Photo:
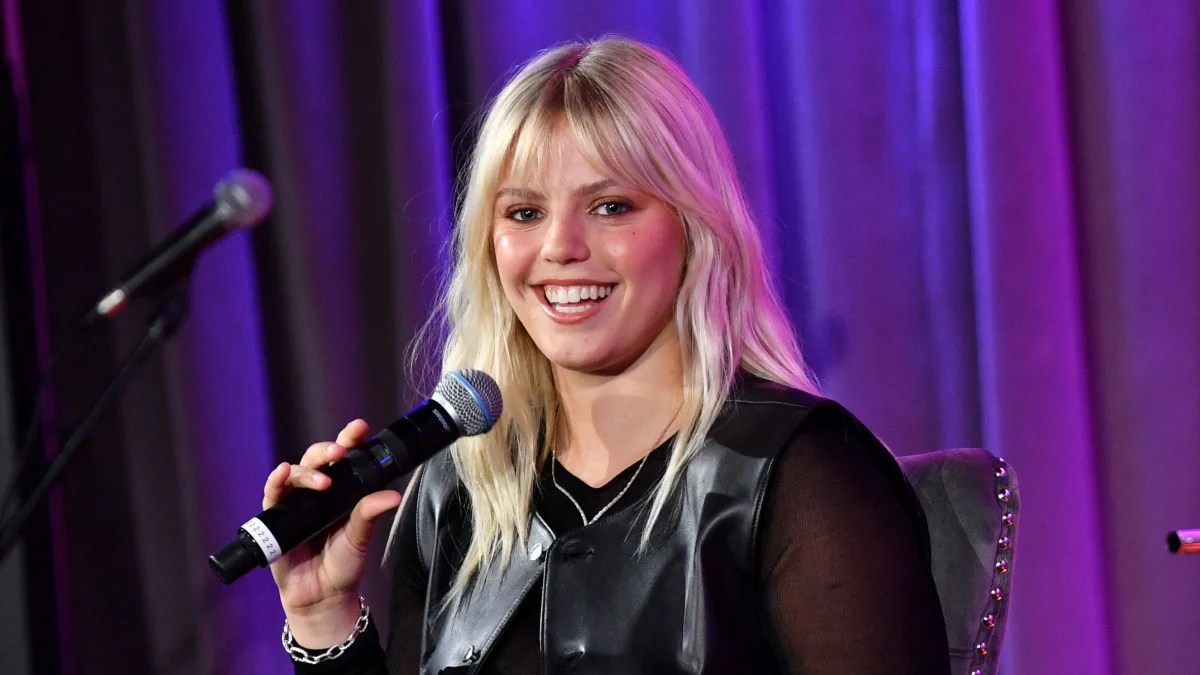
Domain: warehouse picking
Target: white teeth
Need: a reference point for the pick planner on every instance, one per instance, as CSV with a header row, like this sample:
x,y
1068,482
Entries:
x,y
559,295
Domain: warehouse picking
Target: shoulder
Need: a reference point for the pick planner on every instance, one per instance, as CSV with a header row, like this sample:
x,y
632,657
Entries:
x,y
756,391
809,440
760,416
758,424
831,464
757,404
820,432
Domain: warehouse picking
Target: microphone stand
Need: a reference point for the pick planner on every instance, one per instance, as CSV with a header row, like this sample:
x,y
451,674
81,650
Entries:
x,y
166,317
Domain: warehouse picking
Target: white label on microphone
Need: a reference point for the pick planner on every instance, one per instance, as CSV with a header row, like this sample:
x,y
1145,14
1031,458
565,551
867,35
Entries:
x,y
265,540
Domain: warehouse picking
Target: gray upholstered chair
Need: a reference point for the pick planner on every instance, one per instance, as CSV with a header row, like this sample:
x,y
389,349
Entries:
x,y
971,504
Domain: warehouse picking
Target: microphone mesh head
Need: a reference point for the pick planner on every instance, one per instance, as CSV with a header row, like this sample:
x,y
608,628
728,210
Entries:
x,y
246,195
474,399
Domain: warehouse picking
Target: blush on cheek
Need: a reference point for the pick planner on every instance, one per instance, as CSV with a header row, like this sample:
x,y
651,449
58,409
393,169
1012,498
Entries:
x,y
622,248
512,253
502,243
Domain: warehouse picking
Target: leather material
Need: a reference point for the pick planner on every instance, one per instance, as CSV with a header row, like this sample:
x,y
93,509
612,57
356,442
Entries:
x,y
972,505
689,604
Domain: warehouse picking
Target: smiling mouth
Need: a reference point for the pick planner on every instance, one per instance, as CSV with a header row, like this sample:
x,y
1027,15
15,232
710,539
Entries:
x,y
576,299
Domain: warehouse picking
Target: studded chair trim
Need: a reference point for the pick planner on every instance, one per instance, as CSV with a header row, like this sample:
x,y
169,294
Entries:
x,y
971,503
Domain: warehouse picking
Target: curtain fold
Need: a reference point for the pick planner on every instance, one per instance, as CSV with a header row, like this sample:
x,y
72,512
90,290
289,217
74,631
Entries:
x,y
1034,379
197,444
1136,106
983,218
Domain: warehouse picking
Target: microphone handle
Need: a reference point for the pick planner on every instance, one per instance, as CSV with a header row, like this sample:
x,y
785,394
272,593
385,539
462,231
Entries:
x,y
304,513
173,257
168,262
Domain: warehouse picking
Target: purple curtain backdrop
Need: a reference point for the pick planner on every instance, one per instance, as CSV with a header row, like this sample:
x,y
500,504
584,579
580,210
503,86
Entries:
x,y
984,216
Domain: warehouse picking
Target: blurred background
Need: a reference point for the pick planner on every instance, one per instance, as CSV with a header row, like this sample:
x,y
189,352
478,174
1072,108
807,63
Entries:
x,y
984,217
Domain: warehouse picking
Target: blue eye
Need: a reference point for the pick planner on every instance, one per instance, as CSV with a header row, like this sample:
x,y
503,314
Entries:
x,y
611,209
524,214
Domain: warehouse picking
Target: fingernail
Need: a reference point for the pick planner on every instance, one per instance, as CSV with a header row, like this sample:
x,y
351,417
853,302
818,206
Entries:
x,y
331,449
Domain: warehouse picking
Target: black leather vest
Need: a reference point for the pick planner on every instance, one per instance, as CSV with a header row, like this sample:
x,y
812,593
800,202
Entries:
x,y
691,604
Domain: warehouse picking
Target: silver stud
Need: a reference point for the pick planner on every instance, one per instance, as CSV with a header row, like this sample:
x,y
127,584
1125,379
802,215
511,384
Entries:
x,y
471,655
1002,566
997,594
535,552
981,648
1004,543
1004,496
989,621
1001,472
1008,519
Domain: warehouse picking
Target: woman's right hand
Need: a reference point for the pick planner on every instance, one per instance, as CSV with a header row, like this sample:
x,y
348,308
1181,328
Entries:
x,y
318,580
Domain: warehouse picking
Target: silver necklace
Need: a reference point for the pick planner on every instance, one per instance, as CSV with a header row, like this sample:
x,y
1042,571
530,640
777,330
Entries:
x,y
582,515
553,479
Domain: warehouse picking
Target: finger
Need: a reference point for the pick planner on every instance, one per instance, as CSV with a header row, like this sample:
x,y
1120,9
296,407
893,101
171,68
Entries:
x,y
378,503
306,477
322,454
276,485
353,434
366,512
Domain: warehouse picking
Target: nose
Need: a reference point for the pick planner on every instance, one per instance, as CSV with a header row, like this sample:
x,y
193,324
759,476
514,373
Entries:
x,y
565,241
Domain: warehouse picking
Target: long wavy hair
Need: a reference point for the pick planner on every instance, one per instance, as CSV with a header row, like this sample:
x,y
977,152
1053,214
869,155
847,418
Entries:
x,y
640,120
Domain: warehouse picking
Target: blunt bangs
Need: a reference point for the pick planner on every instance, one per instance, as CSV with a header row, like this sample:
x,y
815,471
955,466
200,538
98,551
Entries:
x,y
619,128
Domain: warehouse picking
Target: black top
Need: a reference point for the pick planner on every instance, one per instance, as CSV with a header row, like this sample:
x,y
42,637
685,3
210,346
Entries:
x,y
845,582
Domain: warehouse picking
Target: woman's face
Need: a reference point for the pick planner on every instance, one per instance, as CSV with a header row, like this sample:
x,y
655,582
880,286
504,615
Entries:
x,y
590,266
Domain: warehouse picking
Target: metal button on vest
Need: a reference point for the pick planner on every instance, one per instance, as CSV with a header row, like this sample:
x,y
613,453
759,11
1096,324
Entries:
x,y
572,656
471,655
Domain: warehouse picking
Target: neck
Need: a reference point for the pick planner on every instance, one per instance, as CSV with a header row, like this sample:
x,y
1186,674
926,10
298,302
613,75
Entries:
x,y
612,421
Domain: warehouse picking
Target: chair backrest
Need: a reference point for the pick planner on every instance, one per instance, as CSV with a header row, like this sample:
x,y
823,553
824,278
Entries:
x,y
971,503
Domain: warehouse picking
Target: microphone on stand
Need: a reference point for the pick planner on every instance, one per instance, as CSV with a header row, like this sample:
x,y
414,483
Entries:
x,y
464,403
241,199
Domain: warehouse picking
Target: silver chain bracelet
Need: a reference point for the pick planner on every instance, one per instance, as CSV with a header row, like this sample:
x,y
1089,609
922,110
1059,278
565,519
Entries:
x,y
302,655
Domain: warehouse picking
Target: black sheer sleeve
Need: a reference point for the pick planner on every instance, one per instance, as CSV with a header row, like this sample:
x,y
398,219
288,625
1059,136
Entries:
x,y
844,558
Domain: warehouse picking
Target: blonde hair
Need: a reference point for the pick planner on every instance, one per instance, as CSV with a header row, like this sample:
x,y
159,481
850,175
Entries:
x,y
638,118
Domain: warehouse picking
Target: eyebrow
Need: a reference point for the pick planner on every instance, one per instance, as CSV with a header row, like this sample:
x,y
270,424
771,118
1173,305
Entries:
x,y
583,190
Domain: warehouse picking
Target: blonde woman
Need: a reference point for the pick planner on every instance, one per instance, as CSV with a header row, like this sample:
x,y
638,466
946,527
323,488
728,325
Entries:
x,y
665,491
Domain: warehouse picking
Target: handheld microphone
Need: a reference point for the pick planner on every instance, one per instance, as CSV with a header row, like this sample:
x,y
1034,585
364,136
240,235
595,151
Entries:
x,y
464,403
241,199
